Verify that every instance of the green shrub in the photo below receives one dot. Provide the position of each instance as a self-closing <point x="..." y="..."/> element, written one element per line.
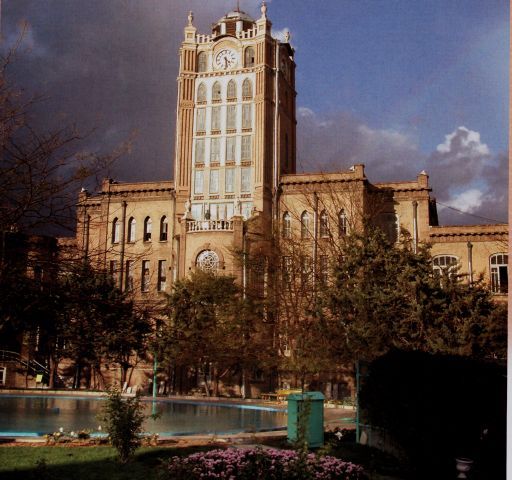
<point x="123" y="419"/>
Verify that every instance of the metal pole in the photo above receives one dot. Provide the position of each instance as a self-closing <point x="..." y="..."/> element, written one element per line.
<point x="155" y="367"/>
<point x="357" y="402"/>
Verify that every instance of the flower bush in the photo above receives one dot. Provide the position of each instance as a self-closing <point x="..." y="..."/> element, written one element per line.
<point x="252" y="464"/>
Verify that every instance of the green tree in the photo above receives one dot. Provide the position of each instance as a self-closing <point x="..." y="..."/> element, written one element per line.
<point x="385" y="295"/>
<point x="211" y="328"/>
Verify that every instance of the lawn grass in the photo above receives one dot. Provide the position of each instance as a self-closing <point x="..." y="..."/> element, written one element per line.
<point x="100" y="462"/>
<point x="77" y="463"/>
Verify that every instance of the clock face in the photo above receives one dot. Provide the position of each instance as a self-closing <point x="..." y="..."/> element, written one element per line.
<point x="225" y="59"/>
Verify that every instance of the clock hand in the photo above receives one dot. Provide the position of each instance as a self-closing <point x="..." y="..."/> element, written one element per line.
<point x="226" y="62"/>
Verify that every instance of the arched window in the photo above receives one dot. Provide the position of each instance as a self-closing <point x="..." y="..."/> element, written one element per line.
<point x="164" y="227"/>
<point x="304" y="225"/>
<point x="231" y="92"/>
<point x="132" y="224"/>
<point x="148" y="226"/>
<point x="342" y="223"/>
<point x="287" y="225"/>
<point x="249" y="57"/>
<point x="202" y="62"/>
<point x="444" y="265"/>
<point x="201" y="93"/>
<point x="216" y="92"/>
<point x="116" y="230"/>
<point x="247" y="89"/>
<point x="324" y="224"/>
<point x="208" y="261"/>
<point x="499" y="273"/>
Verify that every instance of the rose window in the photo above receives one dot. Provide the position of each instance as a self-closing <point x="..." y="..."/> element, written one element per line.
<point x="208" y="261"/>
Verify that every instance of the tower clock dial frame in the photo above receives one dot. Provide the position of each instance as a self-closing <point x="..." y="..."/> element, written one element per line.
<point x="225" y="59"/>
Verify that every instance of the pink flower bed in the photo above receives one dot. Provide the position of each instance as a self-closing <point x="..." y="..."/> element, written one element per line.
<point x="253" y="464"/>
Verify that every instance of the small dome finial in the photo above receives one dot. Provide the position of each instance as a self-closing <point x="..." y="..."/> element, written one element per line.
<point x="190" y="18"/>
<point x="264" y="9"/>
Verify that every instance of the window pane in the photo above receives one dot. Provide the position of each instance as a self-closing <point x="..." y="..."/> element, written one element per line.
<point x="230" y="149"/>
<point x="214" y="181"/>
<point x="145" y="276"/>
<point x="201" y="93"/>
<point x="230" y="210"/>
<point x="216" y="92"/>
<point x="231" y="117"/>
<point x="215" y="150"/>
<point x="246" y="147"/>
<point x="247" y="88"/>
<point x="201" y="120"/>
<point x="231" y="93"/>
<point x="216" y="118"/>
<point x="198" y="182"/>
<point x="201" y="62"/>
<point x="197" y="211"/>
<point x="162" y="275"/>
<point x="247" y="116"/>
<point x="246" y="179"/>
<point x="230" y="180"/>
<point x="200" y="150"/>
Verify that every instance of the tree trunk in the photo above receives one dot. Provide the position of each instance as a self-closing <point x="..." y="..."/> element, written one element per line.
<point x="53" y="370"/>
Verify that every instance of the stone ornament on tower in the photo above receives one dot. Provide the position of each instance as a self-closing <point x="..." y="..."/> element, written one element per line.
<point x="287" y="36"/>
<point x="263" y="9"/>
<point x="190" y="18"/>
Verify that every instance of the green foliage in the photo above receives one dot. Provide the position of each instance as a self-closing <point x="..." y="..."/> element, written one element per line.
<point x="211" y="324"/>
<point x="123" y="419"/>
<point x="437" y="407"/>
<point x="386" y="296"/>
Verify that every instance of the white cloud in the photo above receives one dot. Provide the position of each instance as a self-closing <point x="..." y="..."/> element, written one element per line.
<point x="467" y="201"/>
<point x="463" y="141"/>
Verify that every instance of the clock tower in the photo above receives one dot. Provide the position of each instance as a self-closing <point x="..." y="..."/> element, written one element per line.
<point x="235" y="136"/>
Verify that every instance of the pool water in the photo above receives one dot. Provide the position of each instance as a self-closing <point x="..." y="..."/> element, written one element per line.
<point x="38" y="415"/>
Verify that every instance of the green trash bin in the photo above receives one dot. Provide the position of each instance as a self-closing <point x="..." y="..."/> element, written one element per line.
<point x="312" y="405"/>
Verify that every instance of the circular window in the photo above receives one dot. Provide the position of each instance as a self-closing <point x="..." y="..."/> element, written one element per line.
<point x="208" y="261"/>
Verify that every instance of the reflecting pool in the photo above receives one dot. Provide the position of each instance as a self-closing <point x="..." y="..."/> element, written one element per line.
<point x="27" y="415"/>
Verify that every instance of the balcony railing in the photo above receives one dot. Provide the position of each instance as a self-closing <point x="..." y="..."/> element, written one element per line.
<point x="210" y="226"/>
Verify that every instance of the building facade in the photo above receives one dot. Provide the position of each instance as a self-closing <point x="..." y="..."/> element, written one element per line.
<point x="235" y="182"/>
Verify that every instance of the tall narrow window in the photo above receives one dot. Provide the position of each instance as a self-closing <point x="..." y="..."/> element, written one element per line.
<point x="215" y="118"/>
<point x="144" y="281"/>
<point x="132" y="225"/>
<point x="214" y="182"/>
<point x="246" y="147"/>
<point x="162" y="275"/>
<point x="215" y="150"/>
<point x="499" y="273"/>
<point x="246" y="180"/>
<point x="230" y="149"/>
<point x="229" y="186"/>
<point x="199" y="150"/>
<point x="164" y="228"/>
<point x="247" y="115"/>
<point x="114" y="270"/>
<point x="324" y="224"/>
<point x="202" y="62"/>
<point x="287" y="225"/>
<point x="198" y="182"/>
<point x="306" y="270"/>
<point x="342" y="223"/>
<point x="231" y="117"/>
<point x="116" y="230"/>
<point x="216" y="92"/>
<point x="249" y="57"/>
<point x="247" y="89"/>
<point x="231" y="91"/>
<point x="148" y="227"/>
<point x="305" y="225"/>
<point x="129" y="276"/>
<point x="197" y="211"/>
<point x="201" y="93"/>
<point x="324" y="269"/>
<point x="201" y="120"/>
